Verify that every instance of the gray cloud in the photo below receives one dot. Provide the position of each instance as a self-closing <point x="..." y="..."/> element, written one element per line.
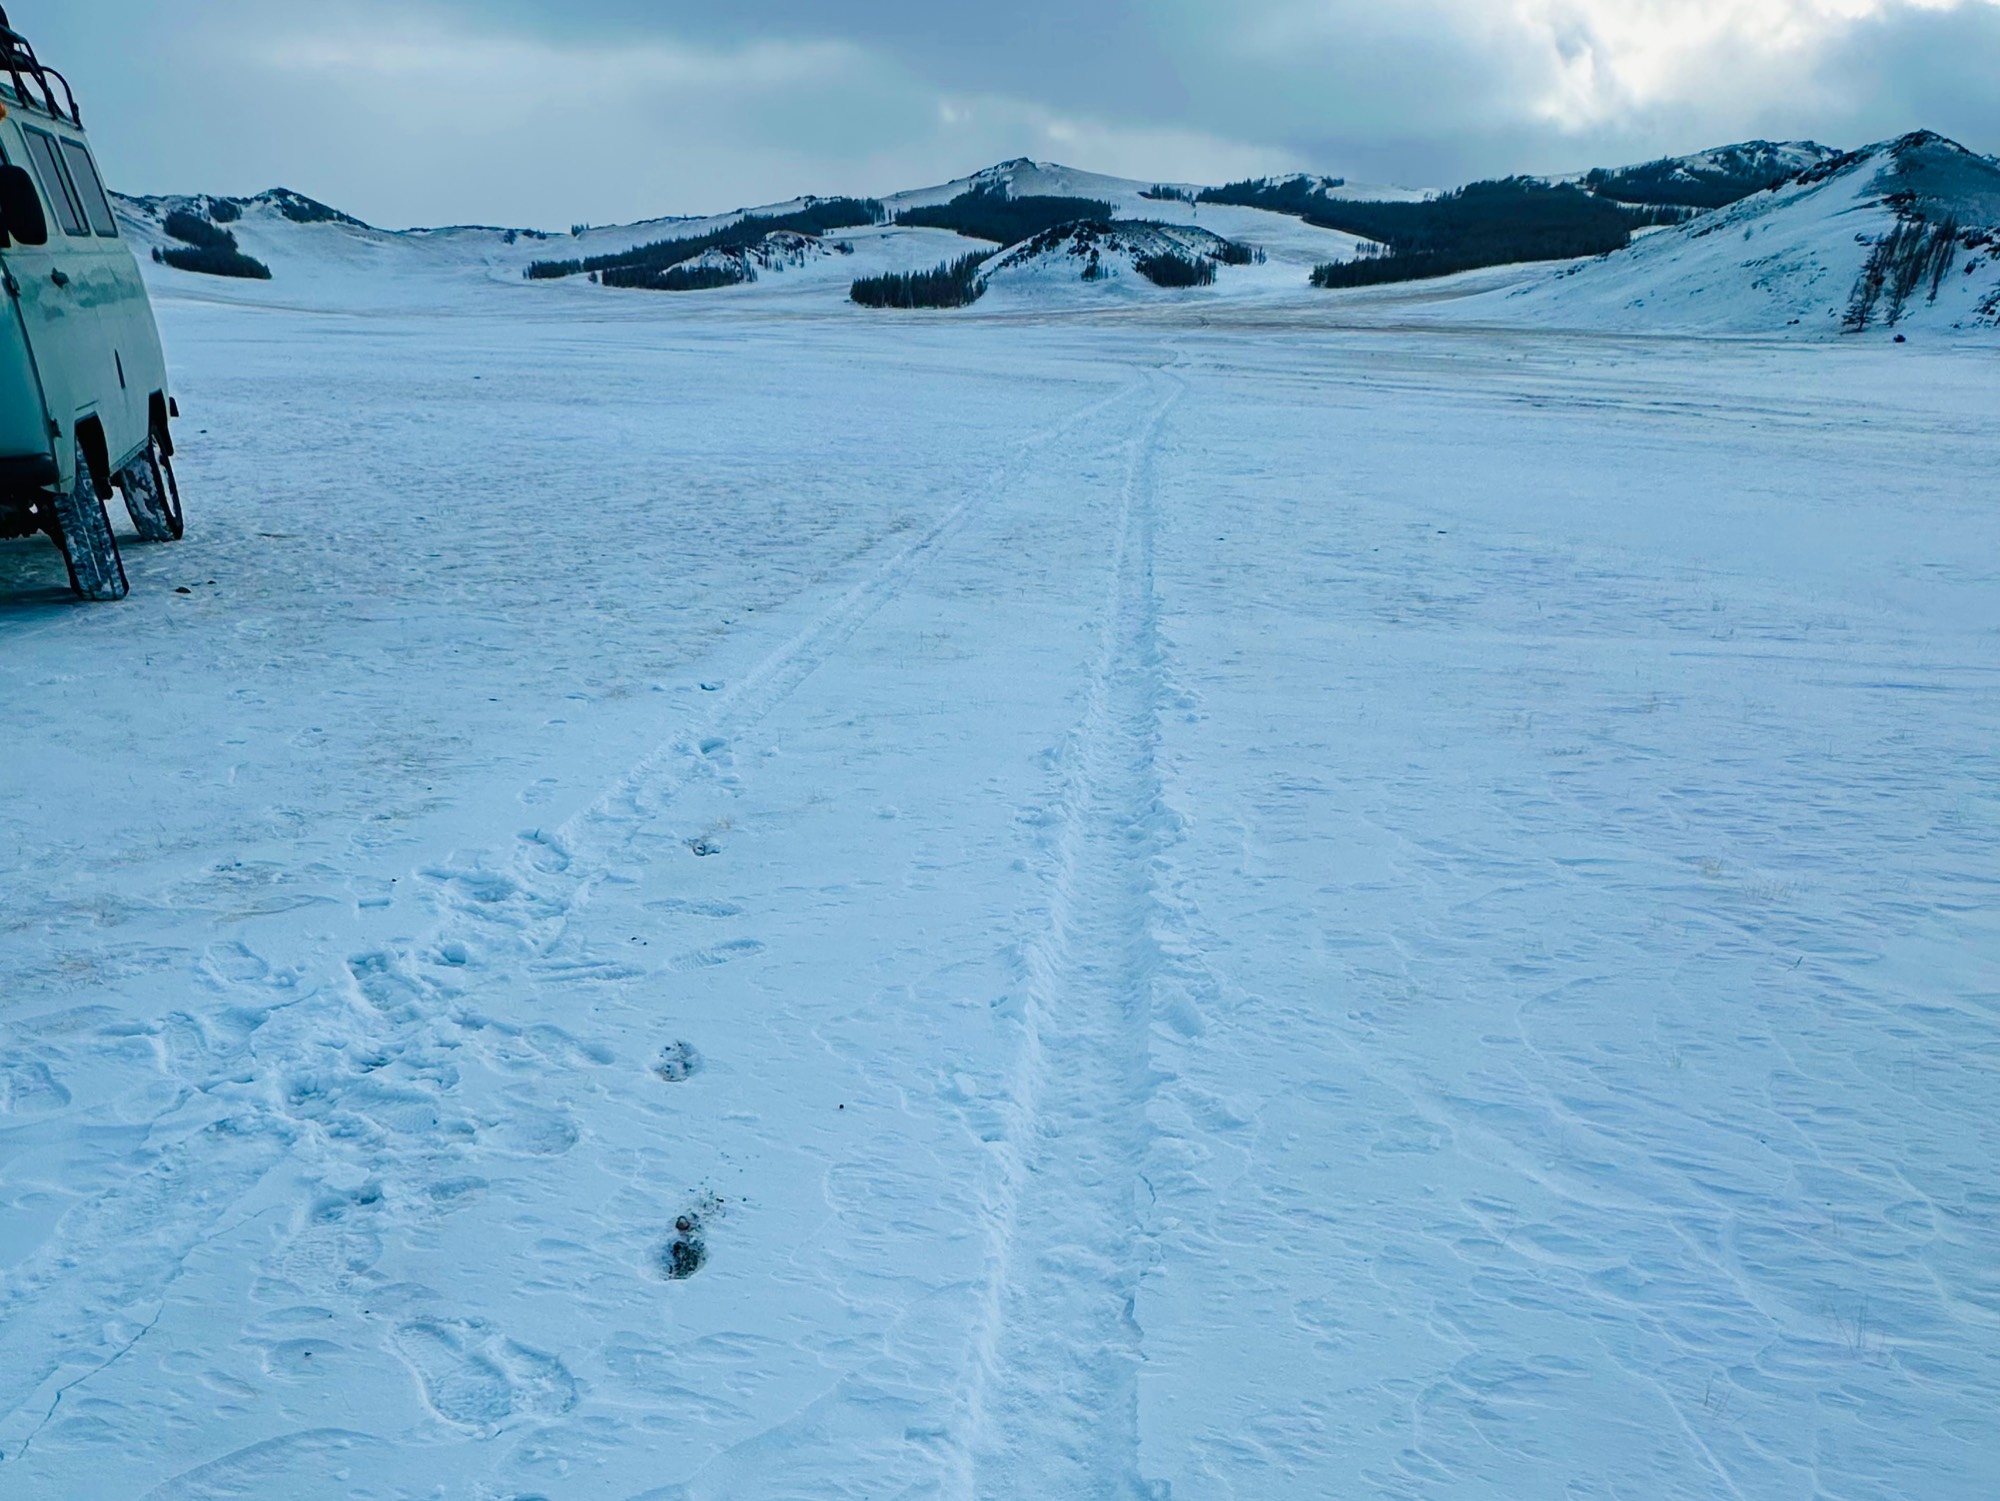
<point x="1937" y="69"/>
<point x="530" y="111"/>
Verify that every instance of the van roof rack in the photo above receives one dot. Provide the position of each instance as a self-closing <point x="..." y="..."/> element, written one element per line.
<point x="19" y="63"/>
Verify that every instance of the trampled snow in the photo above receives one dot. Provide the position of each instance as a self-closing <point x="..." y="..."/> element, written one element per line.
<point x="735" y="897"/>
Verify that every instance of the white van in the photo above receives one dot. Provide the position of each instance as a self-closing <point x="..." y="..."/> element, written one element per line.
<point x="84" y="403"/>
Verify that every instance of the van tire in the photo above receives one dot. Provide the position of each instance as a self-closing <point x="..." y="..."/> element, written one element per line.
<point x="82" y="529"/>
<point x="153" y="506"/>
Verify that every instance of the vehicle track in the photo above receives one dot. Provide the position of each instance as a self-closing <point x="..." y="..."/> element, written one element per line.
<point x="644" y="791"/>
<point x="1054" y="1404"/>
<point x="400" y="1011"/>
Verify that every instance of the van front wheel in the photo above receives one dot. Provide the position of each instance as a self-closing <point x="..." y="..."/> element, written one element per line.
<point x="82" y="530"/>
<point x="151" y="498"/>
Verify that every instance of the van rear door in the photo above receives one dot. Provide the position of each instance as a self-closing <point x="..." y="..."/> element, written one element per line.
<point x="63" y="287"/>
<point x="124" y="312"/>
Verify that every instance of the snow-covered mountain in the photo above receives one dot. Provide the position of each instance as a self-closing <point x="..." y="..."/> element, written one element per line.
<point x="1914" y="219"/>
<point x="1708" y="179"/>
<point x="1903" y="235"/>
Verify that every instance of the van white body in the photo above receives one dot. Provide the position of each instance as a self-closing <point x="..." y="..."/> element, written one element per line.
<point x="83" y="378"/>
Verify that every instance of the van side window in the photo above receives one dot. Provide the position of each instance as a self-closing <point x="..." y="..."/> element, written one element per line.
<point x="96" y="202"/>
<point x="55" y="181"/>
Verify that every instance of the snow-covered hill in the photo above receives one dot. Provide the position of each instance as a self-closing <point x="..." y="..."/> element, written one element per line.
<point x="1801" y="256"/>
<point x="1708" y="179"/>
<point x="1088" y="260"/>
<point x="1795" y="258"/>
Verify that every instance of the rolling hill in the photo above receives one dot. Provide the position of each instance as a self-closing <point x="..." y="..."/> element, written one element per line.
<point x="1758" y="238"/>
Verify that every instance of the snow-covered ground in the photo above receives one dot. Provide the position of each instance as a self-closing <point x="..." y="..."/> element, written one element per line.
<point x="1195" y="902"/>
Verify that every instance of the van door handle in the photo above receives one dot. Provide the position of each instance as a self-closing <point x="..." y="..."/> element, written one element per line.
<point x="59" y="277"/>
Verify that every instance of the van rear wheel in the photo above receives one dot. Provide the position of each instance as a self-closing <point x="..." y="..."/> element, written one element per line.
<point x="152" y="499"/>
<point x="82" y="529"/>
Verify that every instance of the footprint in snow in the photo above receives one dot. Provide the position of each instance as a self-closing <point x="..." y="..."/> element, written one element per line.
<point x="721" y="953"/>
<point x="474" y="1378"/>
<point x="235" y="964"/>
<point x="30" y="1089"/>
<point x="558" y="1046"/>
<point x="536" y="1133"/>
<point x="324" y="1259"/>
<point x="695" y="908"/>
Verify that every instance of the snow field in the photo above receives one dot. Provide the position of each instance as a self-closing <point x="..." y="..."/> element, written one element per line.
<point x="1180" y="909"/>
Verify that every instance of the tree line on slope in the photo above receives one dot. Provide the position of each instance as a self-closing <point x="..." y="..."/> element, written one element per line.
<point x="990" y="212"/>
<point x="1170" y="268"/>
<point x="956" y="283"/>
<point x="1483" y="224"/>
<point x="207" y="248"/>
<point x="1297" y="196"/>
<point x="1914" y="252"/>
<point x="1697" y="185"/>
<point x="646" y="265"/>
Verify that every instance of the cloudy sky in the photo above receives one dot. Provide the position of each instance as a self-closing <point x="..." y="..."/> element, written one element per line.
<point x="550" y="112"/>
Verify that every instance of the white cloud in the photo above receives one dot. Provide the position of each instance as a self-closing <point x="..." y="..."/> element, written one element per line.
<point x="1575" y="63"/>
<point x="1609" y="58"/>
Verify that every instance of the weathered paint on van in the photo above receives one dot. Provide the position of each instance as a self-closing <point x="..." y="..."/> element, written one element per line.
<point x="80" y="353"/>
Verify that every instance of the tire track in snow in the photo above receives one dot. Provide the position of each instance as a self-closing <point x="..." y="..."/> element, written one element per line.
<point x="527" y="906"/>
<point x="556" y="869"/>
<point x="522" y="909"/>
<point x="1054" y="1404"/>
<point x="360" y="1069"/>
